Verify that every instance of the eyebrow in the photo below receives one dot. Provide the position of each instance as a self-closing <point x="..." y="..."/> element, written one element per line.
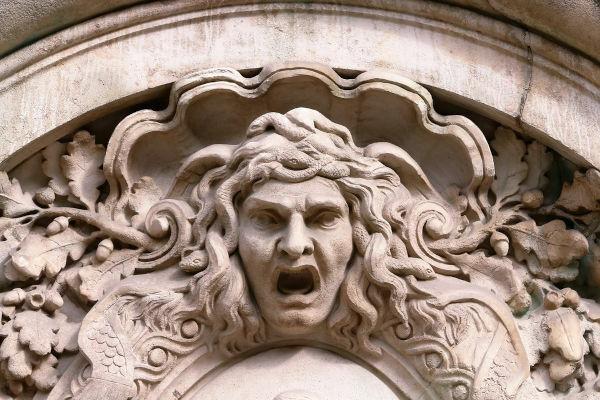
<point x="312" y="203"/>
<point x="316" y="202"/>
<point x="259" y="202"/>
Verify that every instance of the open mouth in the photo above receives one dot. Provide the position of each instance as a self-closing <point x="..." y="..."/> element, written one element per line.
<point x="300" y="280"/>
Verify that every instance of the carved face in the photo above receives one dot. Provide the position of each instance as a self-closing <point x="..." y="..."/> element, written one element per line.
<point x="295" y="243"/>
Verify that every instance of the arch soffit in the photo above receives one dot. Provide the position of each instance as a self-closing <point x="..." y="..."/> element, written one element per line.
<point x="517" y="78"/>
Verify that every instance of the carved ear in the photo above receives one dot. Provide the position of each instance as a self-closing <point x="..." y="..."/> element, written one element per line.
<point x="194" y="167"/>
<point x="410" y="173"/>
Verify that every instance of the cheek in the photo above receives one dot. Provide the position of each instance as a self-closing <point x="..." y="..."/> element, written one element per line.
<point x="255" y="247"/>
<point x="336" y="249"/>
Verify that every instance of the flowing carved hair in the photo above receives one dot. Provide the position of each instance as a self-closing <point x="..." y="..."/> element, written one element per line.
<point x="296" y="147"/>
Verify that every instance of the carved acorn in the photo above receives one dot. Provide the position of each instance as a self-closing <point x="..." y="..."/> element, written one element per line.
<point x="14" y="298"/>
<point x="105" y="248"/>
<point x="35" y="299"/>
<point x="553" y="300"/>
<point x="572" y="298"/>
<point x="500" y="243"/>
<point x="53" y="300"/>
<point x="189" y="328"/>
<point x="57" y="226"/>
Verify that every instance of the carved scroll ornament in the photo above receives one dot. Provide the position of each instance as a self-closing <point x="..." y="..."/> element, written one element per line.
<point x="467" y="275"/>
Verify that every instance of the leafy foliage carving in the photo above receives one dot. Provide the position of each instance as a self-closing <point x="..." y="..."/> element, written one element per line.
<point x="63" y="249"/>
<point x="81" y="167"/>
<point x="60" y="250"/>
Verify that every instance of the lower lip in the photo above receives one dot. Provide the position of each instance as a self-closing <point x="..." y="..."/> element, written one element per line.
<point x="297" y="300"/>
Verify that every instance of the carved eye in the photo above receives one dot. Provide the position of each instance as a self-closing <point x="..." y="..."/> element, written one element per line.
<point x="325" y="219"/>
<point x="265" y="220"/>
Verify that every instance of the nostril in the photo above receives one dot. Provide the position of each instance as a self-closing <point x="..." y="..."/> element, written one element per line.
<point x="308" y="249"/>
<point x="296" y="250"/>
<point x="292" y="251"/>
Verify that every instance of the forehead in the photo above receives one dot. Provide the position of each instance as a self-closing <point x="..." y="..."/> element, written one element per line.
<point x="312" y="192"/>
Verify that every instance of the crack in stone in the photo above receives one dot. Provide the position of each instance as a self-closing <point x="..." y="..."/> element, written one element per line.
<point x="528" y="81"/>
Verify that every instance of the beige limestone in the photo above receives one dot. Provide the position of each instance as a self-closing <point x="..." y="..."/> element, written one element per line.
<point x="300" y="230"/>
<point x="229" y="254"/>
<point x="497" y="69"/>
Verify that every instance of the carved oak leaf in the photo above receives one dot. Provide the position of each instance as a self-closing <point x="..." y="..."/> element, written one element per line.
<point x="19" y="361"/>
<point x="510" y="169"/>
<point x="144" y="194"/>
<point x="12" y="236"/>
<point x="539" y="161"/>
<point x="583" y="195"/>
<point x="13" y="202"/>
<point x="67" y="334"/>
<point x="37" y="331"/>
<point x="20" y="365"/>
<point x="548" y="249"/>
<point x="52" y="169"/>
<point x="97" y="279"/>
<point x="44" y="375"/>
<point x="31" y="335"/>
<point x="494" y="273"/>
<point x="39" y="253"/>
<point x="565" y="338"/>
<point x="82" y="168"/>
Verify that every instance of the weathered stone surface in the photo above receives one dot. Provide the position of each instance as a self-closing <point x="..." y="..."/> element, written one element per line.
<point x="289" y="211"/>
<point x="502" y="71"/>
<point x="267" y="228"/>
<point x="574" y="22"/>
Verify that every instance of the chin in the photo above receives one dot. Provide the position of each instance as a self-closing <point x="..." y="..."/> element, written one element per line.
<point x="296" y="322"/>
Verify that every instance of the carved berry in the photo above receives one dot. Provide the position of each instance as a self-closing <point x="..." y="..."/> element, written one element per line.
<point x="20" y="262"/>
<point x="157" y="357"/>
<point x="44" y="197"/>
<point x="460" y="392"/>
<point x="433" y="360"/>
<point x="189" y="328"/>
<point x="520" y="302"/>
<point x="532" y="198"/>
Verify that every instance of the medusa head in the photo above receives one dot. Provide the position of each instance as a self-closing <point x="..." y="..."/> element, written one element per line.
<point x="299" y="229"/>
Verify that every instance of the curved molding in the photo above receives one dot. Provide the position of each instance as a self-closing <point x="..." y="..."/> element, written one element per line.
<point x="564" y="22"/>
<point x="294" y="206"/>
<point x="501" y="71"/>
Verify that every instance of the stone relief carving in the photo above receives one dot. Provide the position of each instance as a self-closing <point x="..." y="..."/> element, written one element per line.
<point x="479" y="280"/>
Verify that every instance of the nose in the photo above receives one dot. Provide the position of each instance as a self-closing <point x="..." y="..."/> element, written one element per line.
<point x="295" y="242"/>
